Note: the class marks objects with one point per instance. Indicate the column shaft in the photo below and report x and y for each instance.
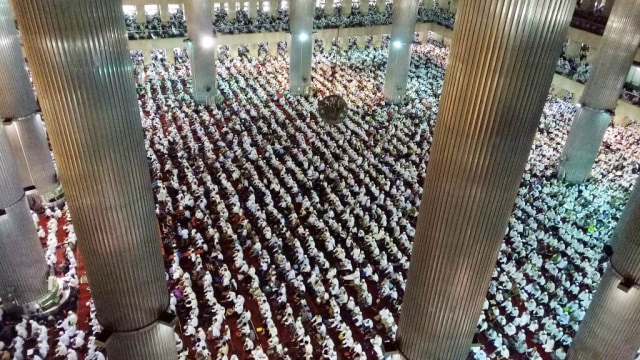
(428, 4)
(253, 9)
(22, 262)
(405, 15)
(328, 7)
(476, 164)
(98, 139)
(347, 7)
(301, 45)
(381, 5)
(20, 101)
(26, 135)
(141, 16)
(364, 7)
(232, 10)
(164, 11)
(19, 157)
(611, 326)
(201, 50)
(29, 142)
(602, 92)
(274, 6)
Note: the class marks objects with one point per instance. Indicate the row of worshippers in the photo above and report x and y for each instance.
(263, 22)
(539, 254)
(274, 194)
(286, 237)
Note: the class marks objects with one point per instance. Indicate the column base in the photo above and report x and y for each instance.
(153, 342)
(46, 305)
(583, 144)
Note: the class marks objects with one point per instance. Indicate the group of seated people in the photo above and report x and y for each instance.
(69, 332)
(154, 28)
(576, 68)
(296, 236)
(286, 237)
(264, 22)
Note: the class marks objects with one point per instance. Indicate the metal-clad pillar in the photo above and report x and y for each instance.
(253, 9)
(490, 109)
(347, 7)
(22, 263)
(611, 326)
(602, 92)
(364, 7)
(83, 73)
(165, 16)
(23, 126)
(232, 10)
(202, 50)
(301, 48)
(328, 7)
(405, 15)
(274, 6)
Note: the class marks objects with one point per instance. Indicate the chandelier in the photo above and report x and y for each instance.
(332, 109)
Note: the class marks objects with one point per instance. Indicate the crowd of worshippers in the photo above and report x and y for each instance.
(62, 334)
(291, 238)
(286, 237)
(154, 28)
(576, 68)
(263, 22)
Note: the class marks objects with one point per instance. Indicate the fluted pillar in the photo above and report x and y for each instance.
(29, 140)
(347, 7)
(274, 6)
(253, 9)
(405, 15)
(141, 16)
(328, 7)
(22, 263)
(364, 7)
(83, 74)
(611, 327)
(23, 126)
(301, 45)
(232, 10)
(165, 16)
(202, 50)
(489, 111)
(602, 92)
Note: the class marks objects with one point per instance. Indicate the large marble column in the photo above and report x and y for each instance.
(611, 327)
(405, 15)
(23, 126)
(83, 74)
(381, 5)
(347, 7)
(253, 9)
(24, 270)
(274, 6)
(364, 7)
(301, 48)
(202, 50)
(489, 111)
(165, 16)
(602, 92)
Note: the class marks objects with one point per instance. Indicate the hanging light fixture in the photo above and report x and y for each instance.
(332, 109)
